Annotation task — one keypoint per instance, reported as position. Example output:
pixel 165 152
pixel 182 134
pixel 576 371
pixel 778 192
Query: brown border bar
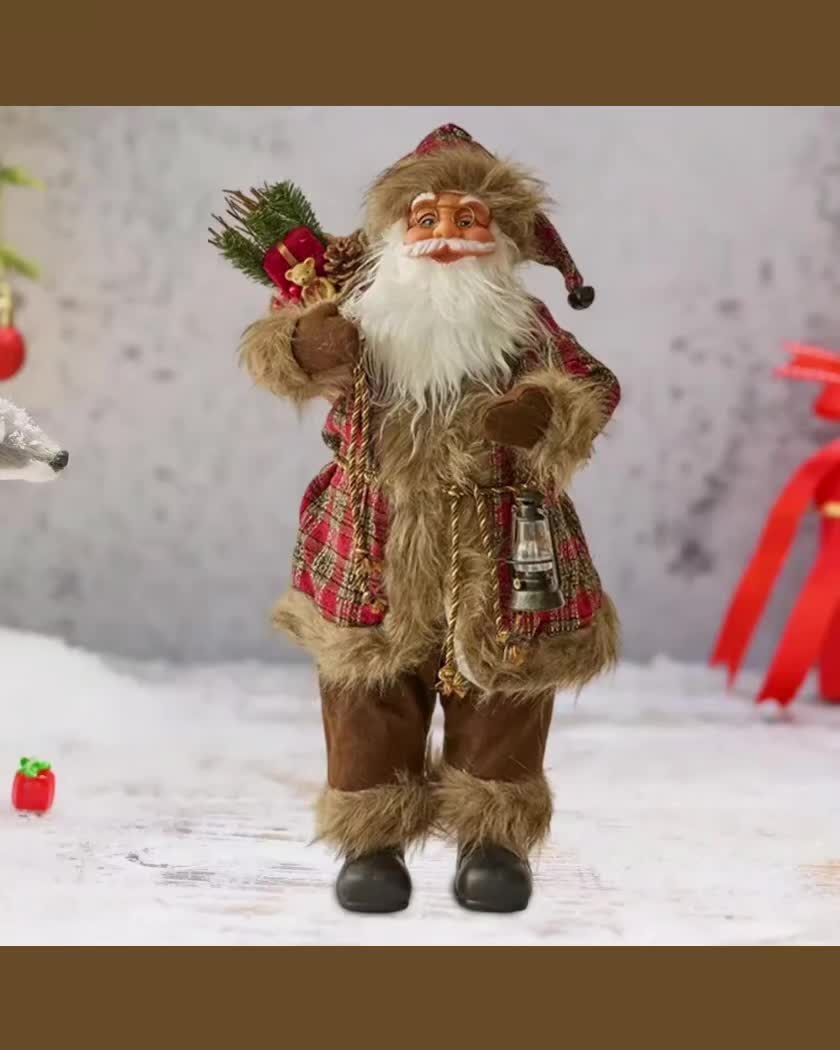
pixel 329 54
pixel 459 997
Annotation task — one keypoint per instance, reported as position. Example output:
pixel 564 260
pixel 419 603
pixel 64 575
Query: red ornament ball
pixel 12 352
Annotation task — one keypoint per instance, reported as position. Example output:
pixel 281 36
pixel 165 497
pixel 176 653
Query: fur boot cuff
pixel 470 811
pixel 356 822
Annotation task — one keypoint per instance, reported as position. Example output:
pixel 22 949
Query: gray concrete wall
pixel 711 234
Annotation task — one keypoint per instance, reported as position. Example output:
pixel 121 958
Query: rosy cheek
pixel 477 233
pixel 417 233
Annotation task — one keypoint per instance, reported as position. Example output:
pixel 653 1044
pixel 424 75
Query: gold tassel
pixel 452 683
pixel 514 654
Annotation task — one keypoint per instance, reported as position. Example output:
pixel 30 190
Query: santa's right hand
pixel 324 340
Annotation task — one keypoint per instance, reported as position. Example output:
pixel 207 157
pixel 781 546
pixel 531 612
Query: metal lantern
pixel 536 579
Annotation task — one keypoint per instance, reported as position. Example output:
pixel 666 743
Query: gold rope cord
pixel 358 473
pixel 511 653
pixel 450 680
pixel 487 543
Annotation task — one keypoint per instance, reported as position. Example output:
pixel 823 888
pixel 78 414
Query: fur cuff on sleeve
pixel 266 351
pixel 580 410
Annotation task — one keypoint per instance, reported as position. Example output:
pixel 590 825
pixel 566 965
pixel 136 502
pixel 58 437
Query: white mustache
pixel 454 244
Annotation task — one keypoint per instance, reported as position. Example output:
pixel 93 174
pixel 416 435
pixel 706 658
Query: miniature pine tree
pixel 259 222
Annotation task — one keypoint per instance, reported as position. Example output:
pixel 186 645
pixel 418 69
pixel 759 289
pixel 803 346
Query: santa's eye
pixel 427 221
pixel 465 219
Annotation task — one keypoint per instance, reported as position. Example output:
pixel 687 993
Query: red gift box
pixel 295 248
pixel 33 788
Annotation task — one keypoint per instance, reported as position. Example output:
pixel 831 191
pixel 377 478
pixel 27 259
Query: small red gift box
pixel 296 247
pixel 33 788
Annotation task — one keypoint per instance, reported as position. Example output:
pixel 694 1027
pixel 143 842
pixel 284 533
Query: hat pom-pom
pixel 581 298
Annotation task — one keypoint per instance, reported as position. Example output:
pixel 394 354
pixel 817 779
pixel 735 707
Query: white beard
pixel 429 326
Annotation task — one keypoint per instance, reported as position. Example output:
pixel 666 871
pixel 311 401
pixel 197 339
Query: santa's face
pixel 448 227
pixel 443 303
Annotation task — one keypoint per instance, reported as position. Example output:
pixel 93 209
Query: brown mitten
pixel 519 418
pixel 324 340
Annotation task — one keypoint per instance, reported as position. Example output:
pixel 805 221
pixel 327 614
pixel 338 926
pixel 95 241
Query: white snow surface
pixel 684 814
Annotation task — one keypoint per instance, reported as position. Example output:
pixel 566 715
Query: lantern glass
pixel 533 552
pixel 536 586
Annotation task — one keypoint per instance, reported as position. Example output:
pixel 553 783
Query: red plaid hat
pixel 549 247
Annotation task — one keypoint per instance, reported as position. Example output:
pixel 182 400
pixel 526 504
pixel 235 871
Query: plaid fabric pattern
pixel 580 585
pixel 322 559
pixel 551 251
pixel 568 354
pixel 445 135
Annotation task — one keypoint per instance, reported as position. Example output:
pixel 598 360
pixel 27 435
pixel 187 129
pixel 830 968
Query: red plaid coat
pixel 323 552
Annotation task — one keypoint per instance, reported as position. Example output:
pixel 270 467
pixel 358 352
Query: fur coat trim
pixel 371 656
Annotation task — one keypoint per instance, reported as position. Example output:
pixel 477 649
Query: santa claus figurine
pixel 438 553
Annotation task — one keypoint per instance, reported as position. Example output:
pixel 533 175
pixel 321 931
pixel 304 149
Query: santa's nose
pixel 446 226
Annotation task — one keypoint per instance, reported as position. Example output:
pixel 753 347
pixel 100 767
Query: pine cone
pixel 343 258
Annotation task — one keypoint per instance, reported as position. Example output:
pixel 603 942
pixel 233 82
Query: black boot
pixel 491 878
pixel 374 882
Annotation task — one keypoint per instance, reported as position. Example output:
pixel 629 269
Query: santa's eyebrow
pixel 422 197
pixel 468 198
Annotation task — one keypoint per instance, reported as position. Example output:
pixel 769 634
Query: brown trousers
pixel 489 785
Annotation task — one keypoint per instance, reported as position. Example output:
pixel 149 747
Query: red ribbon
pixel 815 617
pixel 804 637
pixel 814 364
pixel 830 665
pixel 811 362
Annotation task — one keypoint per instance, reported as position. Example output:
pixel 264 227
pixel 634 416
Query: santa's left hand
pixel 519 418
